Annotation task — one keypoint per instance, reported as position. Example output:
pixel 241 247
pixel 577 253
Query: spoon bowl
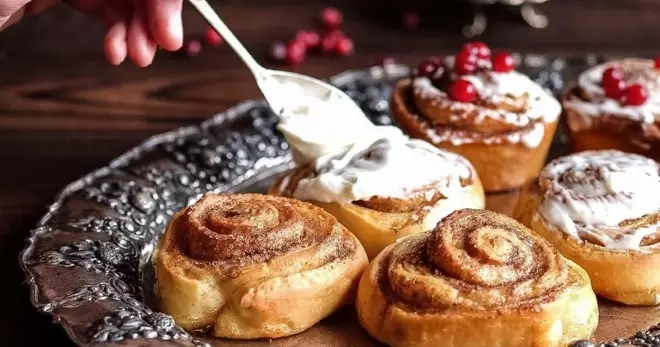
pixel 316 118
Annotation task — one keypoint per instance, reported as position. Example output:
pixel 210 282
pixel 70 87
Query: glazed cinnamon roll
pixel 479 279
pixel 386 187
pixel 255 266
pixel 601 210
pixel 616 105
pixel 495 117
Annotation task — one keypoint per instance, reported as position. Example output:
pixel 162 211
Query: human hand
pixel 135 28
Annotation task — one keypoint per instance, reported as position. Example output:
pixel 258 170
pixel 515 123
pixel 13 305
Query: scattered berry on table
pixel 410 19
pixel 344 47
pixel 331 18
pixel 192 48
pixel 278 52
pixel 295 52
pixel 212 38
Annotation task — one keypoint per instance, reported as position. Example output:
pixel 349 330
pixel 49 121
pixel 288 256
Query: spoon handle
pixel 214 20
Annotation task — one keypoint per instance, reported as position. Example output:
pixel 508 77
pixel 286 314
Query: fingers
pixel 130 26
pixel 8 7
pixel 11 19
pixel 11 11
pixel 165 22
pixel 115 46
pixel 141 45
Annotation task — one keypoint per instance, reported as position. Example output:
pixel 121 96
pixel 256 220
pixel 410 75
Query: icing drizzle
pixel 599 195
pixel 510 99
pixel 391 165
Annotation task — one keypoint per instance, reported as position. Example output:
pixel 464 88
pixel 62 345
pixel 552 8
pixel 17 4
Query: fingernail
pixel 176 29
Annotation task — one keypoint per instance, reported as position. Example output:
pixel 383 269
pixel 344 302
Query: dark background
pixel 64 111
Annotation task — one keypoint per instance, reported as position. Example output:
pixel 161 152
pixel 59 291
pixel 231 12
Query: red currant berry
pixel 465 63
pixel 311 39
pixel 331 18
pixel 436 60
pixel 634 95
pixel 410 20
pixel 503 62
pixel 427 68
pixel 385 61
pixel 329 41
pixel 344 47
pixel 477 49
pixel 612 76
pixel 657 63
pixel 295 52
pixel 212 38
pixel 462 90
pixel 614 89
pixel 277 52
pixel 192 48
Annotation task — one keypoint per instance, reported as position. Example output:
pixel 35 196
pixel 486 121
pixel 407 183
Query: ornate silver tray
pixel 88 260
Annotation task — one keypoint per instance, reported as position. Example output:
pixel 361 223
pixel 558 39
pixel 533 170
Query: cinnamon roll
pixel 475 279
pixel 601 210
pixel 497 118
pixel 255 266
pixel 386 187
pixel 616 105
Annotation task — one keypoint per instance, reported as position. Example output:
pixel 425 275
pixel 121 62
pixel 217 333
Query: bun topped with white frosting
pixel 386 187
pixel 508 108
pixel 616 105
pixel 394 167
pixel 477 105
pixel 601 209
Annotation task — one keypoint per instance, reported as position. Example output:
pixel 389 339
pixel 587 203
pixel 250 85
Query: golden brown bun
pixel 501 166
pixel 612 131
pixel 379 222
pixel 480 279
pixel 629 276
pixel 255 266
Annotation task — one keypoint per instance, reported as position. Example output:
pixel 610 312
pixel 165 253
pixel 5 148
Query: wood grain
pixel 64 111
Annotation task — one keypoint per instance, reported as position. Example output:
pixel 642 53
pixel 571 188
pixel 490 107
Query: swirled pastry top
pixel 389 166
pixel 476 260
pixel 609 198
pixel 590 98
pixel 509 107
pixel 233 231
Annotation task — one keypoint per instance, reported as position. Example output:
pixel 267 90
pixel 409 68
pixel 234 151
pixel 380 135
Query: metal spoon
pixel 267 79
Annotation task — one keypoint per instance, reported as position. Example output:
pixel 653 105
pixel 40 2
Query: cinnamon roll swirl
pixel 255 266
pixel 472 281
pixel 601 210
pixel 501 121
pixel 386 188
pixel 616 105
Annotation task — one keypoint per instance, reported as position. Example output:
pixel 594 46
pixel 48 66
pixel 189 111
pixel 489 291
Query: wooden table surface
pixel 64 111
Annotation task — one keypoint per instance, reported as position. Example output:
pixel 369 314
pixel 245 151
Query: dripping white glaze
pixel 594 192
pixel 590 82
pixel 393 166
